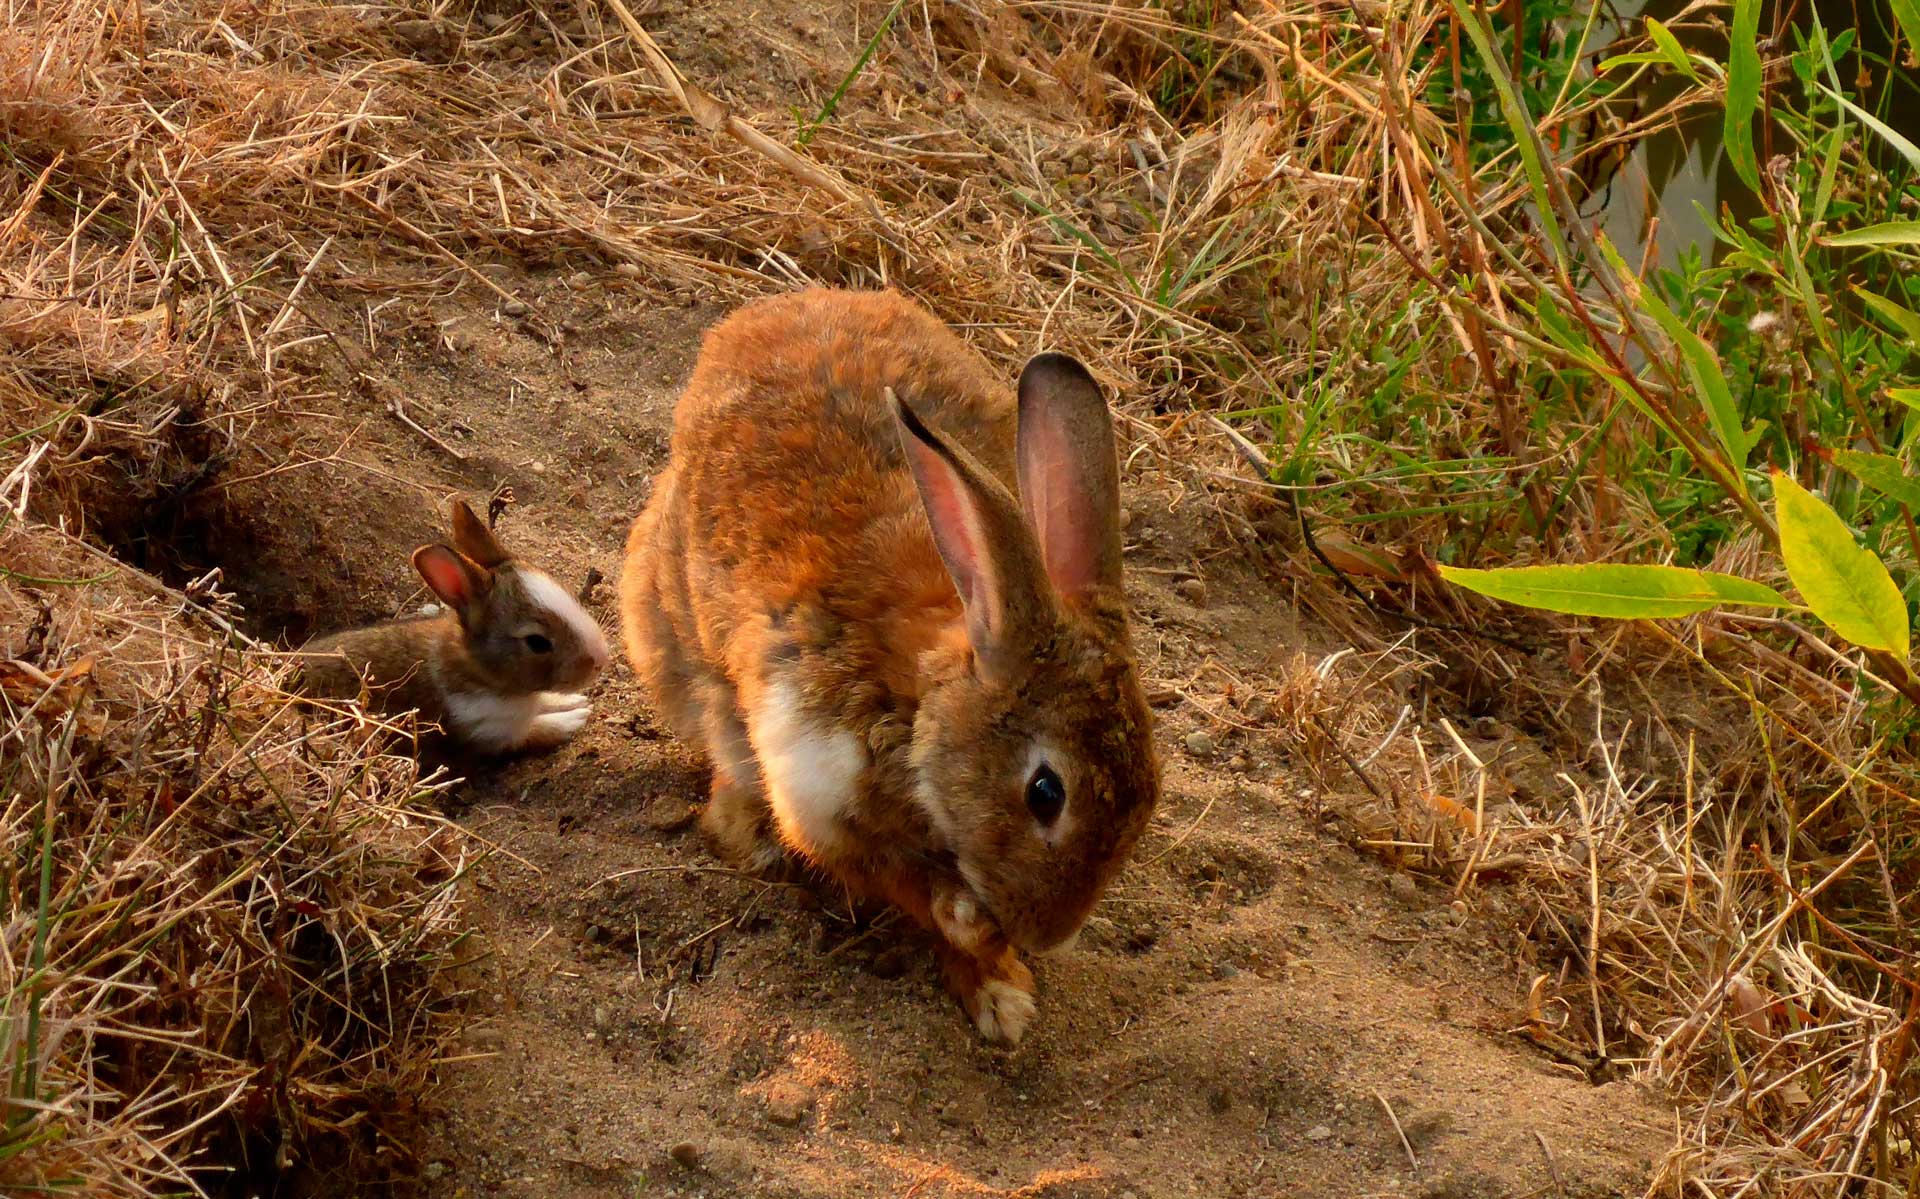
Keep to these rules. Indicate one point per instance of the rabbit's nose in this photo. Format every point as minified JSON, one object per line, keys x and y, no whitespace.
{"x":597,"y":652}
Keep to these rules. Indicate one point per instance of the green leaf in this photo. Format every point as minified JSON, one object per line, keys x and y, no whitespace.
{"x":1907,"y":12}
{"x":1910,"y":396}
{"x":1635,"y":59}
{"x":1882,"y":472}
{"x":1743,"y":90}
{"x":1847,"y":586}
{"x":1671,"y":50}
{"x":1903,"y":319}
{"x":1893,"y":233}
{"x":1615,"y":591}
{"x":1894,"y":137}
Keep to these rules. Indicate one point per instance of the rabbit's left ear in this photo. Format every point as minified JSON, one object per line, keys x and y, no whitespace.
{"x":987,"y":547}
{"x":474,"y":538}
{"x":1069,"y":475}
{"x":461,"y":584}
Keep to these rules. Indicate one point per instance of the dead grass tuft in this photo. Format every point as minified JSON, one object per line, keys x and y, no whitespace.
{"x":232,"y":925}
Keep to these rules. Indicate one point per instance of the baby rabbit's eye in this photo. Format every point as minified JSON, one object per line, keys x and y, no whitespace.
{"x":1046,"y":795}
{"x":538,"y":643}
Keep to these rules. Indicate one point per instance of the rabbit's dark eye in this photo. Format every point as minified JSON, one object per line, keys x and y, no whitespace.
{"x":538,"y":643}
{"x":1046,"y":795}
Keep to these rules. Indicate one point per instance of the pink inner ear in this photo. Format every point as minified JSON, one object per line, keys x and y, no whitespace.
{"x":1057,"y":504}
{"x":956,"y":527}
{"x":445,"y":575}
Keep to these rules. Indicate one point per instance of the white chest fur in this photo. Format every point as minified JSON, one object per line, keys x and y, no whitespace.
{"x":810,"y":768}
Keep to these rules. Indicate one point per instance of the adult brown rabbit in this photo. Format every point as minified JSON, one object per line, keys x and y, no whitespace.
{"x":918,"y":683}
{"x":501,"y":669}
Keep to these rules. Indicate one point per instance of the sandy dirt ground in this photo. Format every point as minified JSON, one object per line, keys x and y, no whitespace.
{"x":1256,"y":1008}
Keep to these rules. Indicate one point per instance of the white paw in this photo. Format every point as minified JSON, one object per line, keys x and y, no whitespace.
{"x":554,"y":727}
{"x":1005,"y":1011}
{"x":563,"y":701}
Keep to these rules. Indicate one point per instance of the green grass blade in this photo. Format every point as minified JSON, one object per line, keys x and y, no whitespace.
{"x":1709,"y":381}
{"x":859,"y":64}
{"x":1616,"y":591}
{"x":1519,"y":121}
{"x":1894,"y":137}
{"x":1744,"y":76}
{"x":1846,"y":585}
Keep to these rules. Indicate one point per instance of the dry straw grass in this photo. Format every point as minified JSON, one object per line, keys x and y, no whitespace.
{"x":208,"y":210}
{"x":230,"y":924}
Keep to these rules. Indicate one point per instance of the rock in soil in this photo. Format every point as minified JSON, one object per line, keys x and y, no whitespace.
{"x":787,"y":1103}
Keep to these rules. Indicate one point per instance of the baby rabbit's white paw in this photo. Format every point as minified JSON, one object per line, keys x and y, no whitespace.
{"x":1002,"y":1011}
{"x":553,"y":727}
{"x":563,"y":701}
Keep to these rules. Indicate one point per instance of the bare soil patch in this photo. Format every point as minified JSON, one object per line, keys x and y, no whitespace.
{"x":1250,"y":1011}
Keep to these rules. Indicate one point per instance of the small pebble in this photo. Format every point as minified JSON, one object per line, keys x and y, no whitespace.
{"x":630,"y":269}
{"x":1240,"y":762}
{"x":602,"y":1016}
{"x":596,"y":933}
{"x":1403,"y":887}
{"x":1191,"y":590}
{"x":1200,"y":744}
{"x":1319,"y":1132}
{"x":1226,"y":970}
{"x":493,"y":20}
{"x":515,"y":308}
{"x":433,"y":1170}
{"x":580,"y":280}
{"x":686,"y":1154}
{"x":787,"y":1103}
{"x":888,"y":963}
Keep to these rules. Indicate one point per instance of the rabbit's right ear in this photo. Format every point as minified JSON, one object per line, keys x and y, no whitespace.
{"x":1069,"y":476}
{"x":984,"y":541}
{"x":475,"y":539}
{"x":461,"y":584}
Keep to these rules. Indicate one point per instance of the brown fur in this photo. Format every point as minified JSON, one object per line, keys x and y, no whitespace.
{"x":788,"y":545}
{"x":476,"y":649}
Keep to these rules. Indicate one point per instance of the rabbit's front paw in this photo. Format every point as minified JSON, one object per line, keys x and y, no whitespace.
{"x":1001,"y":1010}
{"x":997,"y":993}
{"x":554,"y":727}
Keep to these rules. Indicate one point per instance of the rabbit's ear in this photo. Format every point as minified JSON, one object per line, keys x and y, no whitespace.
{"x":1069,"y":478}
{"x":474,"y":538}
{"x":461,"y":584}
{"x":987,"y":547}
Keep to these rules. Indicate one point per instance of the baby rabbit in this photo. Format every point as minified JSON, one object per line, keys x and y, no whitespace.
{"x":910,"y":678}
{"x":500,"y":669}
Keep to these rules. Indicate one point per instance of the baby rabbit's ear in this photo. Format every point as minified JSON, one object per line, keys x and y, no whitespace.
{"x":474,"y":538}
{"x":987,"y":548}
{"x":461,"y":584}
{"x":1069,"y":477}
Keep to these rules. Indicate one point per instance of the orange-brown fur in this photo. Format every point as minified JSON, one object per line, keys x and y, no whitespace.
{"x":787,"y":541}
